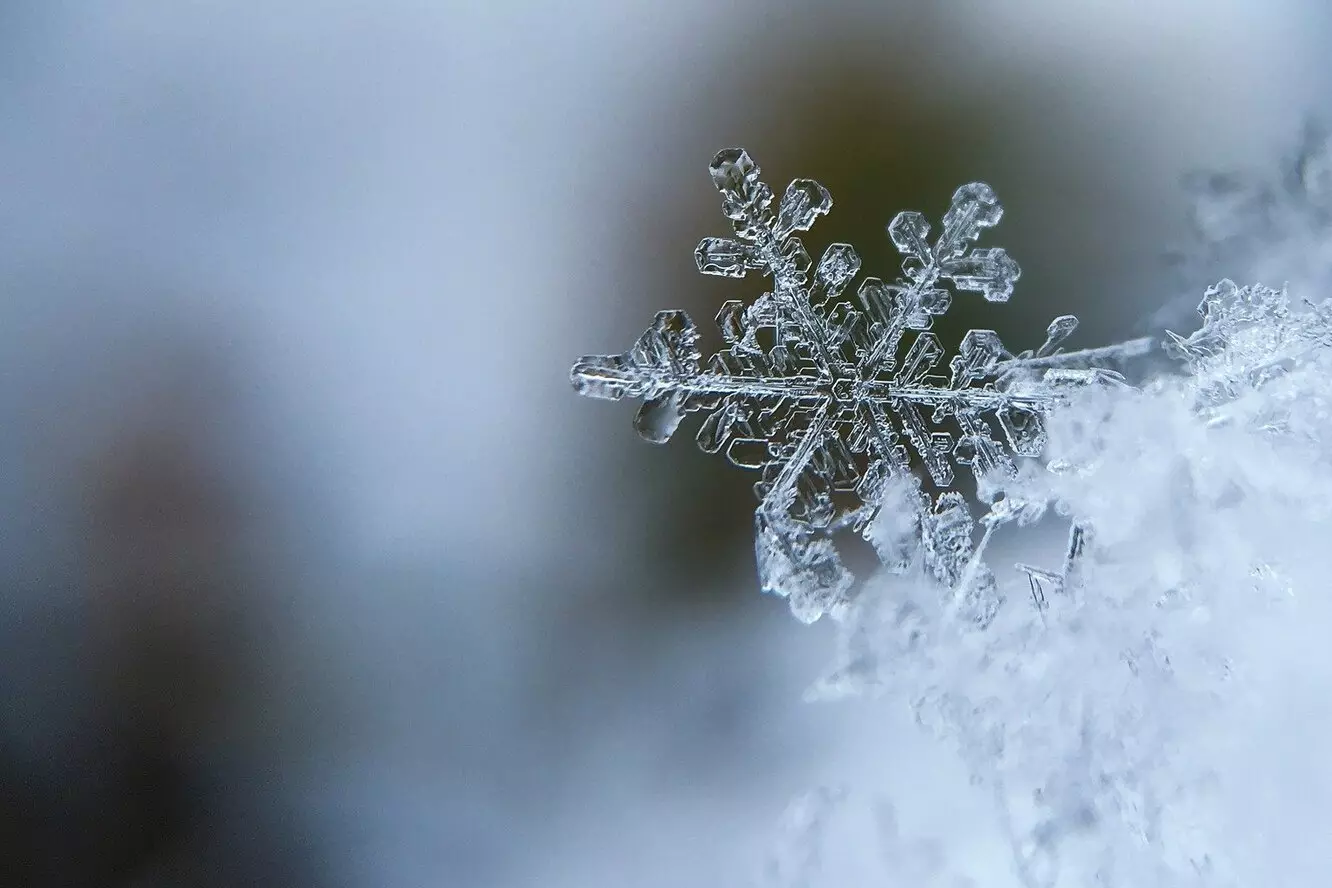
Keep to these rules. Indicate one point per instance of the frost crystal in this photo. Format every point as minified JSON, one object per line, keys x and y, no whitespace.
{"x":1136,"y":725}
{"x":1245,"y":359}
{"x":834,"y":406}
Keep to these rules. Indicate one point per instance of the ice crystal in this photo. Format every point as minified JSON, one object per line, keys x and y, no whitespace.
{"x":1250,"y":340}
{"x":1102,"y":720}
{"x":836,"y":405}
{"x":1198,"y":501}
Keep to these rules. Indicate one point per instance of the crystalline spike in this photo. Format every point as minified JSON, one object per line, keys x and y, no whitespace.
{"x":1060,"y":377}
{"x":797,"y":258}
{"x":827,"y":406}
{"x":924,"y":355}
{"x":763,"y":313}
{"x":974,"y":207}
{"x":813,"y":506}
{"x":978,"y":449}
{"x":992,"y":273}
{"x":1006,"y":508}
{"x":730,"y":319}
{"x":724,"y":256}
{"x":716,"y":429}
{"x":668,"y":343}
{"x":881,"y":437}
{"x":909,"y":231}
{"x":917,"y":431}
{"x":977,"y":356}
{"x":804,"y":201}
{"x":1249,"y":337}
{"x":934,"y":302}
{"x":665,"y":353}
{"x":839,"y":265}
{"x":916,"y":309}
{"x":609,"y":377}
{"x":844,"y":324}
{"x":1060,"y":329}
{"x":1043,"y":583}
{"x":744,"y":197}
{"x":877,"y":297}
{"x":839,"y":464}
{"x":1219,"y":297}
{"x":725,"y":363}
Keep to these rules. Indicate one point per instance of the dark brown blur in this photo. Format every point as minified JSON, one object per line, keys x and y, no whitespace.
{"x":148,"y":663}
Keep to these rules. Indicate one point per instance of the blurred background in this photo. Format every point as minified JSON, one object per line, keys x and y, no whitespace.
{"x":316,"y":571}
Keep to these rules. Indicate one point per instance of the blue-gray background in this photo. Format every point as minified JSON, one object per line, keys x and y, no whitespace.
{"x":312,"y":562}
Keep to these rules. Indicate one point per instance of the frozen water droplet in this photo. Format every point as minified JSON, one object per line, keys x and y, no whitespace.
{"x":658,"y":418}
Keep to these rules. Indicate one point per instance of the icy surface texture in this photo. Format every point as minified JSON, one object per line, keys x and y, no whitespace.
{"x":1127,"y":724}
{"x":835,"y":406}
{"x":1250,"y":340}
{"x":1270,"y":229}
{"x":1150,"y":707}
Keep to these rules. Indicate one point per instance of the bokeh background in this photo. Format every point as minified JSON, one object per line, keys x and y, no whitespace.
{"x":313,"y":569}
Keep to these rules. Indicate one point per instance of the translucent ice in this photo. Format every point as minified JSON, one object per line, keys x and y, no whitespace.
{"x":848,"y":392}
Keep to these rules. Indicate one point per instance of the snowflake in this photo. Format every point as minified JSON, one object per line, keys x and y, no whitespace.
{"x":825,"y":409}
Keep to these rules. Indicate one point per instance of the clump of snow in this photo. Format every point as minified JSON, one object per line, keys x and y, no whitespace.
{"x":1157,"y":718}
